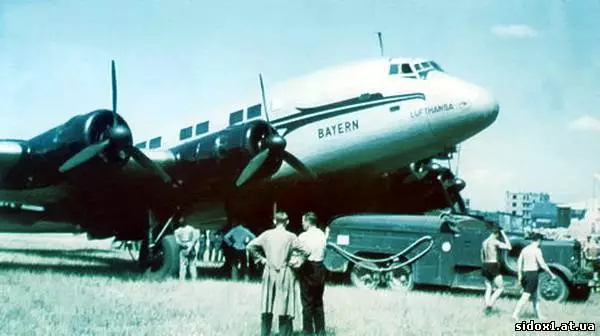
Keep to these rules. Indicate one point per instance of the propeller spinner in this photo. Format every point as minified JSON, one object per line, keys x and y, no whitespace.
{"x":273,"y":146}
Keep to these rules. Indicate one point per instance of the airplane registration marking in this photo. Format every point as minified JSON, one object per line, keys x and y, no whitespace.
{"x":337,"y":129}
{"x":431,"y":110}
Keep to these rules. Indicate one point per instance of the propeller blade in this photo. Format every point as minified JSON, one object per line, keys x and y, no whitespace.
{"x":264,"y":100}
{"x":297,"y":164}
{"x":461,"y":205}
{"x":114,"y":92}
{"x":253,"y":166}
{"x":84,"y":155}
{"x":145,"y":162}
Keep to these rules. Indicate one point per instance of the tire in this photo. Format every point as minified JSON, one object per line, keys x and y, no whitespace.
{"x":401,"y":279}
{"x":364,"y":278}
{"x":165,"y":263}
{"x":551,"y":290}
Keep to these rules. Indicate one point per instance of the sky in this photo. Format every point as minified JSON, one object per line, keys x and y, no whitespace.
{"x":180,"y":59}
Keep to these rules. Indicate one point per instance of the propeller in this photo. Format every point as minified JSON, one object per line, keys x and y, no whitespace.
{"x":273,"y":145}
{"x":118,"y":136}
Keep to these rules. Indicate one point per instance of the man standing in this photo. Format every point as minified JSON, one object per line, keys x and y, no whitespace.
{"x":202,"y":245}
{"x":591,"y":259}
{"x":312,"y":276}
{"x":278,"y":281}
{"x":215,"y":252}
{"x":490,"y":267}
{"x":187,"y":237}
{"x":236,"y":239}
{"x":528,"y":265}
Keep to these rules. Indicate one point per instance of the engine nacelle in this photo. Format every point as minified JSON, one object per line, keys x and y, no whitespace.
{"x":39,"y":158}
{"x":232,"y":148}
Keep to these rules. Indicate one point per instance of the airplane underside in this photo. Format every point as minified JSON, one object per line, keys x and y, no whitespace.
{"x":399,"y":192}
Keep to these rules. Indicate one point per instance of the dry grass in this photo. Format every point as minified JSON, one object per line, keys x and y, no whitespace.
{"x":87,"y":290}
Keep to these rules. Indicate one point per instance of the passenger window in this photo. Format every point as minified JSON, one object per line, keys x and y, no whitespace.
{"x":155,"y":143}
{"x":141,"y":145}
{"x":185,"y":133}
{"x":394,"y":108}
{"x":236,"y":117}
{"x":253,"y":111}
{"x":406,"y":68}
{"x":202,"y":128}
{"x":393,"y":69}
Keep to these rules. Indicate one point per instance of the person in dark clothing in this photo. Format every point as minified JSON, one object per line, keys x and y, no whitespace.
{"x":215,"y":249}
{"x":312,"y":276}
{"x":236,"y":240}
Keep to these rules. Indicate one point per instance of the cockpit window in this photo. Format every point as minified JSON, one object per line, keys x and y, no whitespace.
{"x":414,"y":70}
{"x":436,"y":66}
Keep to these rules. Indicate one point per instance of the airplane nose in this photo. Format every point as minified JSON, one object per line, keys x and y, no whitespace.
{"x":484,"y":105}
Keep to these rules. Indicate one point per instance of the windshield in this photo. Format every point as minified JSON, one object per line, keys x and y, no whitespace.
{"x":424,"y":68}
{"x":414,"y":70}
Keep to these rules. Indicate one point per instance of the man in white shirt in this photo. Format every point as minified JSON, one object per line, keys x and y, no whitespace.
{"x":188,"y":239}
{"x":312,"y":276}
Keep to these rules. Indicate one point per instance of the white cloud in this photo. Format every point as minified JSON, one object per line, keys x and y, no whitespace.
{"x":585,"y":123}
{"x":517,"y":31}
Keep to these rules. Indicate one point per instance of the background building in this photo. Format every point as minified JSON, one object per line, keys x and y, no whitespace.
{"x":521,"y":204}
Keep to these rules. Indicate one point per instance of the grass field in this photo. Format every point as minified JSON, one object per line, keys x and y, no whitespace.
{"x":65,"y":285}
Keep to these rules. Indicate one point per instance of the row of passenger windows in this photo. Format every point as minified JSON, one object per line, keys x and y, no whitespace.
{"x":203,"y":127}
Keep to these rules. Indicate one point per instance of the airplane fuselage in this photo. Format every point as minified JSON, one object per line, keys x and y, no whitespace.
{"x":371,"y":116}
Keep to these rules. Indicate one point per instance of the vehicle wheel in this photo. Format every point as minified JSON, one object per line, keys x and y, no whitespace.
{"x":165,"y":259}
{"x":362,"y":277}
{"x":552,"y":289}
{"x":401,"y":279}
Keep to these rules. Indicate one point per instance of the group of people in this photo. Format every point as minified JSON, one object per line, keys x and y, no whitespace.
{"x":198,"y":246}
{"x":293,"y":270}
{"x":529,"y":264}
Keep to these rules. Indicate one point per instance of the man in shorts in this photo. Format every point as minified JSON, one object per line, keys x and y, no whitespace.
{"x":528,"y":266}
{"x":490,"y":267}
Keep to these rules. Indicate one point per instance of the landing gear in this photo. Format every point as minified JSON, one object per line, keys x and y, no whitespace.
{"x":159,"y":256}
{"x":451,"y":185}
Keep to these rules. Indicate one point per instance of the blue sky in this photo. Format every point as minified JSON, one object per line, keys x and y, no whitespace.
{"x":541,"y":58}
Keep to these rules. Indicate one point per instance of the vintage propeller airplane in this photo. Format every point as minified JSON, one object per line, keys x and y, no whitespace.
{"x":358,"y":137}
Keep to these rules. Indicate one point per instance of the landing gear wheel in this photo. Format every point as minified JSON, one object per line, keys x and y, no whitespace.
{"x":555,"y":290}
{"x":163,"y":261}
{"x":401,"y":279}
{"x":364,"y":278}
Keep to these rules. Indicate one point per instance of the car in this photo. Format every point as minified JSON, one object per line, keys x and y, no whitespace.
{"x":401,"y":251}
